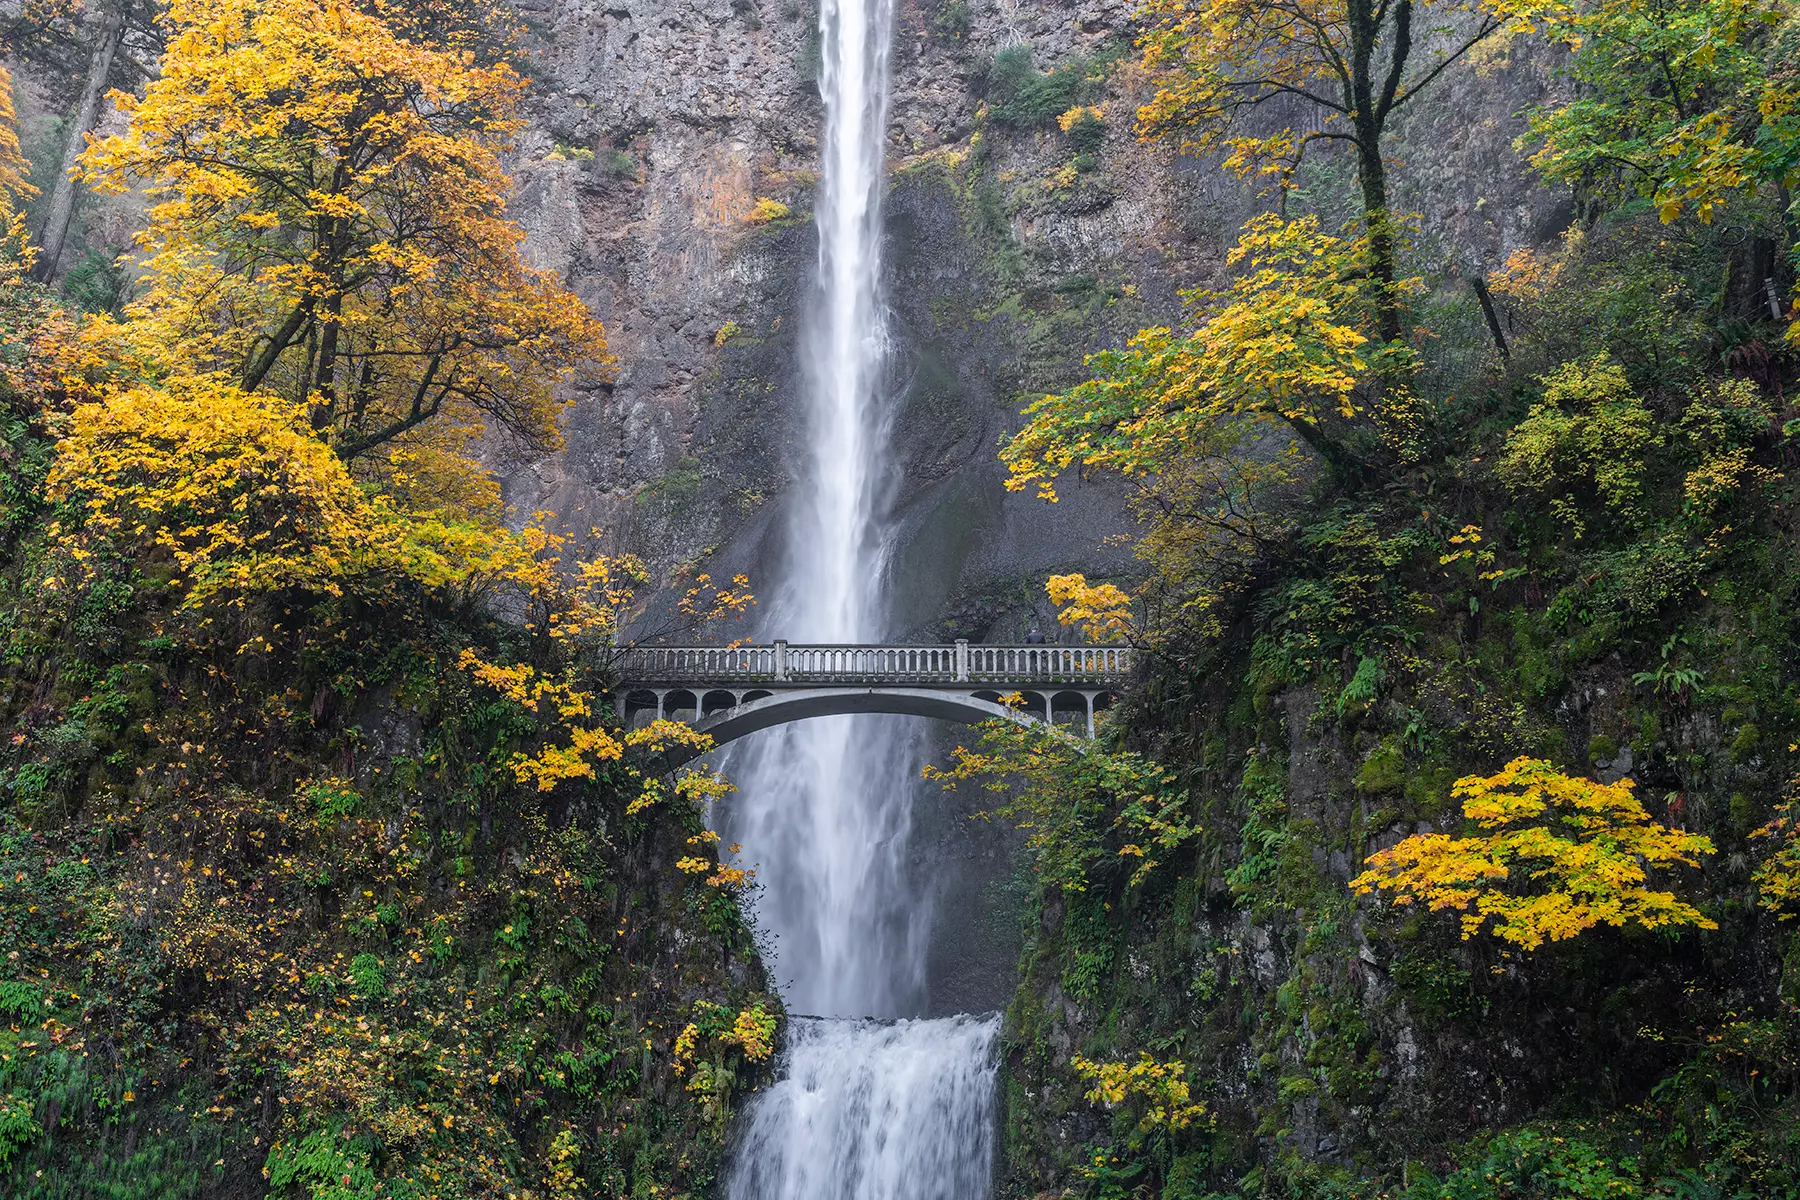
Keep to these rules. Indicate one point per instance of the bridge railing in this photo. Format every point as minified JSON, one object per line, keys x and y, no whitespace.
{"x":822,"y":664}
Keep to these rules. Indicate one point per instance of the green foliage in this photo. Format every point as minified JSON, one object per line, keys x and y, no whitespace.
{"x":98,"y":282}
{"x":1591,"y":434}
{"x":326,"y":1166}
{"x":1529,"y":1165}
{"x":1577,"y":545}
{"x":1384,"y":770}
{"x":1075,"y":802}
{"x":952,"y":21}
{"x":1022,"y":97}
{"x":1684,"y":102}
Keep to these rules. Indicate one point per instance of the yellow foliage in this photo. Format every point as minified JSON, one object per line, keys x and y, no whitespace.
{"x":754,"y":1031}
{"x":14,"y":186}
{"x":46,"y":365}
{"x":1102,"y":610}
{"x":236,"y":492}
{"x":1073,"y":800}
{"x":767,"y":210}
{"x":1067,"y":120}
{"x":1722,"y":424}
{"x":1590,"y":430}
{"x":290,"y":148}
{"x":1217,"y":63}
{"x":750,"y":1032}
{"x":1158,"y":1089}
{"x":1778,"y":875}
{"x":1211,"y":427}
{"x":1282,"y":343}
{"x":1559,"y":855}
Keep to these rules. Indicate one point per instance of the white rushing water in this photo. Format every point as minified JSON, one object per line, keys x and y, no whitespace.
{"x":902,"y":1108}
{"x":872,"y":1111}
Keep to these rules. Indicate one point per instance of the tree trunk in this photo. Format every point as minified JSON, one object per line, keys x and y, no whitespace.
{"x":54,"y":233}
{"x":1367,"y":117}
{"x":1381,"y":241}
{"x":1480,"y":287}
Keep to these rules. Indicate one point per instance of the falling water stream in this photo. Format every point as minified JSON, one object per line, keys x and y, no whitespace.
{"x":874,"y":1101}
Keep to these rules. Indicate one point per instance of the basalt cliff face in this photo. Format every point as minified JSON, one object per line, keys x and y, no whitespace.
{"x":1013,"y":249}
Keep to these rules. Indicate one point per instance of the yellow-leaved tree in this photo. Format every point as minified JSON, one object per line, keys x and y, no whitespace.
{"x":1556,"y":856}
{"x":1306,"y":349}
{"x":1263,"y":81}
{"x":14,"y":186}
{"x":328,"y":224}
{"x":1777,"y":876}
{"x":1212,"y":427}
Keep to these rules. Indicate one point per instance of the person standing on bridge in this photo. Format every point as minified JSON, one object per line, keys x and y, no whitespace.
{"x":1035,"y":637}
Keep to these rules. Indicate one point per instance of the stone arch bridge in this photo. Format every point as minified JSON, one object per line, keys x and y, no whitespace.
{"x":729,"y":691}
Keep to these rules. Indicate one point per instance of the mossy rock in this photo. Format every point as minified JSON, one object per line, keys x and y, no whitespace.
{"x":1383,"y":771}
{"x":1744,"y":746}
{"x":1602,"y":749}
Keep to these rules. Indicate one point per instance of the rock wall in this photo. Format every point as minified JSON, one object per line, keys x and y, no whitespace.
{"x":663,"y":123}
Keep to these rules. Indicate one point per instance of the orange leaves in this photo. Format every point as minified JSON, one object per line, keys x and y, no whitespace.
{"x":1560,"y":855}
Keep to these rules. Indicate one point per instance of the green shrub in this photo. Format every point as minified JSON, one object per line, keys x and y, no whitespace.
{"x":951,"y":22}
{"x":1528,"y":1165}
{"x":1022,"y":97}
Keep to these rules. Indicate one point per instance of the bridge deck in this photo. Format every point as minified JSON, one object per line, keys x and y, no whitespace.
{"x":959,"y":665}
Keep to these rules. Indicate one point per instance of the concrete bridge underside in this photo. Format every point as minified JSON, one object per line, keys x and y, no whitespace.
{"x":729,"y":715}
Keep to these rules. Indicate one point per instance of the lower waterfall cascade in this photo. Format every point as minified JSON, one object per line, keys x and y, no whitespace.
{"x":870,"y":1110}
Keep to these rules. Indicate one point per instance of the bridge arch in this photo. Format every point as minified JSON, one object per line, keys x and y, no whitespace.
{"x":798,"y":704}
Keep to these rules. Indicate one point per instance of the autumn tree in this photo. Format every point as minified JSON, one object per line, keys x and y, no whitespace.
{"x":1263,"y":81}
{"x":1556,"y":855}
{"x":1685,"y":102}
{"x":1777,"y":876}
{"x":328,"y":224}
{"x":1208,"y":426}
{"x":232,"y":489}
{"x":1302,"y":355}
{"x":14,"y":184}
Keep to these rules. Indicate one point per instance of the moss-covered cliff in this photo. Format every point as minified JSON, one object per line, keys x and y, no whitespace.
{"x":278,"y":917}
{"x":1627,"y":614}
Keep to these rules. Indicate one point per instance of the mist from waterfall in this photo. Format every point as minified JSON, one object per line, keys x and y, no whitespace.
{"x":873,"y":1103}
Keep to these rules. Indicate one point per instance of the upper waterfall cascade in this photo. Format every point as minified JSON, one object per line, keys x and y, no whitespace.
{"x":865,"y":1109}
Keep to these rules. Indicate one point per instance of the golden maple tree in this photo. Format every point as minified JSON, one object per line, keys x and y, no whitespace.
{"x":327,"y":223}
{"x":1556,"y":856}
{"x":1212,"y":426}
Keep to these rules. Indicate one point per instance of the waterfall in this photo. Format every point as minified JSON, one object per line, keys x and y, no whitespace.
{"x":872,"y":1111}
{"x":900,"y":1107}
